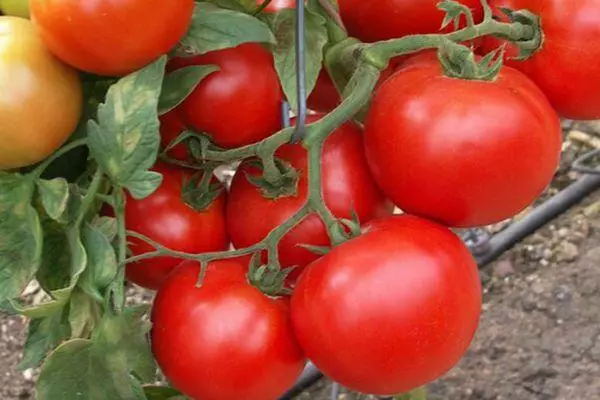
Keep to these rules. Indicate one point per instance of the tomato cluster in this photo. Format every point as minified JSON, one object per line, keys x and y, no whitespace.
{"x":396,"y":304}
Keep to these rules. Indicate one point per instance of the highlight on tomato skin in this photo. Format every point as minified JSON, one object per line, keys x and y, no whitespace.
{"x":225,"y":339}
{"x":359,"y":310}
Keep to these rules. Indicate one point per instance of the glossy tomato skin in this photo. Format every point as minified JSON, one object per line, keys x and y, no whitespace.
{"x":391,"y":310}
{"x":33,"y":81}
{"x":373,"y":21}
{"x":241,"y":103}
{"x":167,"y":219}
{"x":171,"y":126}
{"x":108,"y":37}
{"x":224,"y":340}
{"x":567,"y":67}
{"x":438,"y":150}
{"x":347,"y":184}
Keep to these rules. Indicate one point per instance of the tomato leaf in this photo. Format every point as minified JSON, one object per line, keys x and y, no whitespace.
{"x":284,"y":26}
{"x":64,"y":261}
{"x":143,"y":184}
{"x":106,"y":225}
{"x":125,"y":139}
{"x":162,"y":393}
{"x":215,"y":28}
{"x":84,"y":312}
{"x":21,"y":236}
{"x":180,"y":83}
{"x":54,"y":195}
{"x":104,"y":367}
{"x":44,"y":334}
{"x":102,"y":259}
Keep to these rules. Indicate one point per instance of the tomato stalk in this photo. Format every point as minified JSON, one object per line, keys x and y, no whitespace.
{"x":117,"y":286}
{"x":39,"y":170}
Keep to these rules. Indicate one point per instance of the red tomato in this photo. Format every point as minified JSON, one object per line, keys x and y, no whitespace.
{"x":438,"y":150}
{"x":372,"y":21}
{"x":109,"y":37}
{"x":171,"y":127}
{"x":567,"y":68}
{"x":224,"y":340}
{"x":347,"y":185}
{"x":241,"y":103}
{"x":276,"y":5}
{"x":391,"y":310}
{"x":167,"y":219}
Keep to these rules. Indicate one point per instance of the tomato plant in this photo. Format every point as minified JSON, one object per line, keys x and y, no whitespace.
{"x":372,"y":21}
{"x":166,"y":218}
{"x":171,"y":126}
{"x":424,"y":143}
{"x":347,"y":187}
{"x":427,"y":292}
{"x":569,"y":53}
{"x":238,"y":105}
{"x":224,"y":339}
{"x":129,"y":34}
{"x":33,"y":81}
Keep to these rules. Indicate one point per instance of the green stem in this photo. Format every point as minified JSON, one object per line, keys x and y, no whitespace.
{"x":90,"y":196}
{"x":262,"y":7}
{"x":270,"y":144}
{"x":118,"y":285}
{"x":39,"y":170}
{"x":410,"y":44}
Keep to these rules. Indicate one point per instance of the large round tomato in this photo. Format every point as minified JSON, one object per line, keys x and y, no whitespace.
{"x":461,"y":152}
{"x":372,"y":21}
{"x":171,"y":127}
{"x":567,"y":67}
{"x":390,"y":310}
{"x":241,"y":103}
{"x":167,"y":219}
{"x":347,"y":186}
{"x":40,"y":97}
{"x":111,"y":37}
{"x":224,"y":339}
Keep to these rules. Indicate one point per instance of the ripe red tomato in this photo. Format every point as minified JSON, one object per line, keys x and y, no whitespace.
{"x":391,"y":310}
{"x":167,"y":219}
{"x":224,"y":340}
{"x":109,"y":37}
{"x":372,"y":21}
{"x":171,"y":127}
{"x":438,"y":150}
{"x":567,"y":68}
{"x":40,"y":97}
{"x":241,"y":103}
{"x":347,"y":185}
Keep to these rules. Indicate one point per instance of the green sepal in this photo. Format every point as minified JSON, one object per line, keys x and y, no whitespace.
{"x":288,"y":180}
{"x":527,"y":48}
{"x":200,"y":195}
{"x":459,"y":61}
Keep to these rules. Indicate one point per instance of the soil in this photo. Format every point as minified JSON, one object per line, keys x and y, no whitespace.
{"x":539,"y":335}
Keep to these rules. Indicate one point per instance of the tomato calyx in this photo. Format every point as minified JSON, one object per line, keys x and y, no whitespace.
{"x":460,"y":62}
{"x":202,"y":190}
{"x":268,"y":278}
{"x":525,"y":17}
{"x":282,"y":182}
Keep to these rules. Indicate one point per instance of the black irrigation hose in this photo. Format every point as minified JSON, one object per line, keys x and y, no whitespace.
{"x":496,"y":246}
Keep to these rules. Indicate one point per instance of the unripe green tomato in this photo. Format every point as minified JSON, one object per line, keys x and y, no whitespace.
{"x":17,"y":8}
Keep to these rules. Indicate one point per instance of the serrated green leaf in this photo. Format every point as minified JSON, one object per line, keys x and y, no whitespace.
{"x":215,"y":28}
{"x":102,"y":262}
{"x":179,"y":84}
{"x":84,"y":312}
{"x":62,"y":266}
{"x":285,"y":51}
{"x":54,"y":195}
{"x":102,"y":368}
{"x":21,"y":235}
{"x":143,"y":184}
{"x":162,"y":393}
{"x":44,"y":334}
{"x":106,"y":225}
{"x":125,"y":138}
